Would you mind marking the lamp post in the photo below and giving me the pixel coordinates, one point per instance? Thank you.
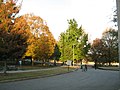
(73, 54)
(118, 16)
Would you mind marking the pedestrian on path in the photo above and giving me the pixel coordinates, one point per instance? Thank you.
(85, 67)
(81, 66)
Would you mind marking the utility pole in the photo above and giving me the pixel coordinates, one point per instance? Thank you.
(63, 49)
(118, 21)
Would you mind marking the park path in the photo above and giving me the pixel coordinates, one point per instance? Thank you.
(77, 80)
(34, 70)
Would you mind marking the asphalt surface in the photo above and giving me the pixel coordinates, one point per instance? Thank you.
(77, 80)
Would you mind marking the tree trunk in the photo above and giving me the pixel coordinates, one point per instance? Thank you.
(54, 62)
(109, 63)
(32, 61)
(95, 66)
(5, 67)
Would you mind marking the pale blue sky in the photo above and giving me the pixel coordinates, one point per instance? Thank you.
(93, 15)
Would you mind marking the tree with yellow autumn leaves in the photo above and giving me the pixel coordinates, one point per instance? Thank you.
(41, 43)
(26, 35)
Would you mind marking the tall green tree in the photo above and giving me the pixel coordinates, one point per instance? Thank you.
(74, 42)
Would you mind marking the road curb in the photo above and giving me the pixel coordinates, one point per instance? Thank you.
(107, 69)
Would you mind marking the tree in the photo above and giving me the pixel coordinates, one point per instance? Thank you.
(42, 42)
(12, 37)
(8, 10)
(20, 34)
(35, 23)
(110, 41)
(56, 55)
(96, 50)
(61, 45)
(105, 50)
(74, 42)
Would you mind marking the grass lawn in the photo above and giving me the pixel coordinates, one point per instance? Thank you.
(35, 74)
(32, 67)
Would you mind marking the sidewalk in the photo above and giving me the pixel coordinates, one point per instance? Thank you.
(35, 70)
(109, 68)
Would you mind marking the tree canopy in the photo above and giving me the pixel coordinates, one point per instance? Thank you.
(12, 36)
(41, 43)
(74, 42)
(21, 36)
(105, 50)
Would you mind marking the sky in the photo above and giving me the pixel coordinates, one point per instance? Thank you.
(93, 15)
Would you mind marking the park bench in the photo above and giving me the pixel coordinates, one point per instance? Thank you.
(11, 67)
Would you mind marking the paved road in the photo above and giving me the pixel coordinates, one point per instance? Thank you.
(78, 80)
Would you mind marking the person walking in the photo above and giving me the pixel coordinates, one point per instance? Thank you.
(85, 67)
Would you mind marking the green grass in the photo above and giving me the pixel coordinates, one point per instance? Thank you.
(35, 74)
(31, 67)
